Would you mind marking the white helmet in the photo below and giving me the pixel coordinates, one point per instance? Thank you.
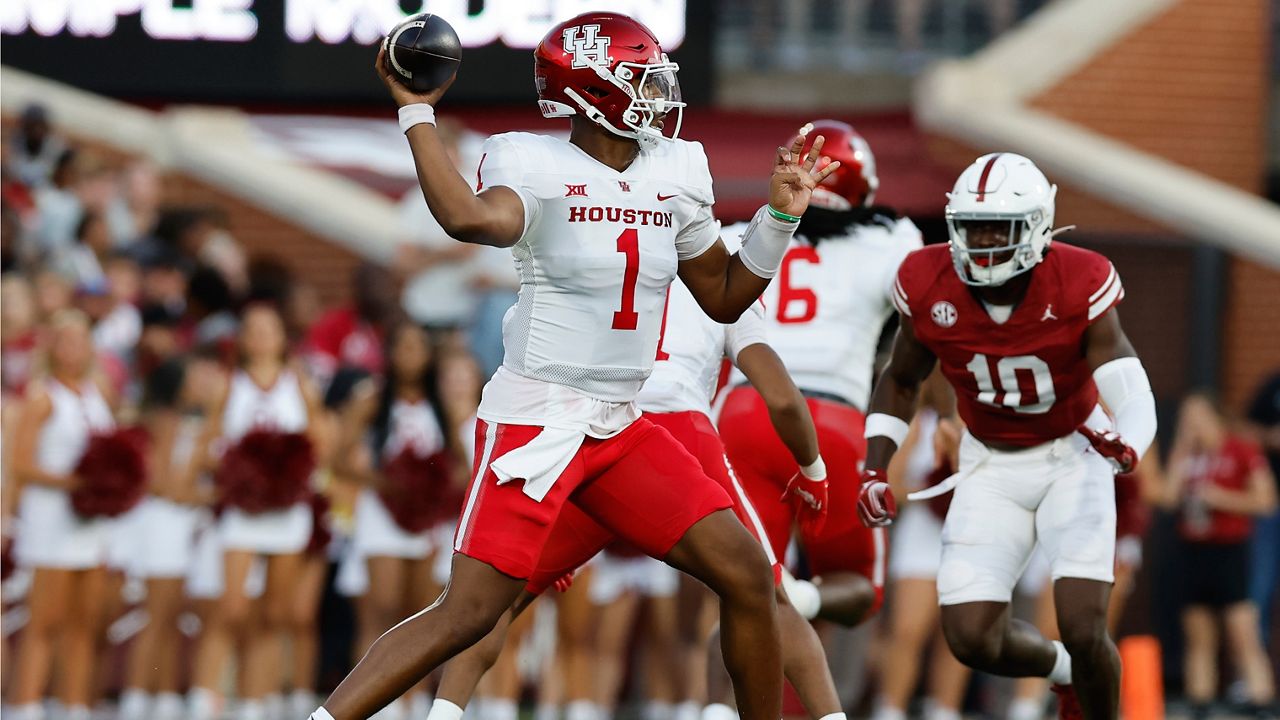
(1001, 187)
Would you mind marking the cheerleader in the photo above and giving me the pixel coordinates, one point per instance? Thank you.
(402, 425)
(258, 417)
(65, 551)
(928, 454)
(173, 401)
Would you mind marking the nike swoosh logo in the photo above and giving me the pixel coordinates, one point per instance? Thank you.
(662, 197)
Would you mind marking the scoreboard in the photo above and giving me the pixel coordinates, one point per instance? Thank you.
(308, 51)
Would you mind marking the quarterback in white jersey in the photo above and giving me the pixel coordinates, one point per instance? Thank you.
(599, 227)
(826, 310)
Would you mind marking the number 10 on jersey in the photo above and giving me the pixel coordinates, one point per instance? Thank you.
(1010, 393)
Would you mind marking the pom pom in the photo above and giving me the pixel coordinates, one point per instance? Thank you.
(112, 473)
(266, 471)
(321, 533)
(414, 488)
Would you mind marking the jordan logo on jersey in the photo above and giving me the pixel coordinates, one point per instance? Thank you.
(575, 190)
(586, 45)
(1048, 313)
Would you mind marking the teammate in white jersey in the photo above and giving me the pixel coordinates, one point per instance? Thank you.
(599, 227)
(825, 314)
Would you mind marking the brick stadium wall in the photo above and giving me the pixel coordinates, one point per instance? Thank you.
(1190, 86)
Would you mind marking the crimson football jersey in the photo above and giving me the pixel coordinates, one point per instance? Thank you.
(1024, 381)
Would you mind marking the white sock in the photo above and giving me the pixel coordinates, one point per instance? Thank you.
(420, 705)
(803, 595)
(719, 711)
(202, 704)
(687, 710)
(1061, 672)
(273, 706)
(501, 709)
(582, 710)
(656, 711)
(934, 711)
(77, 712)
(1026, 709)
(321, 714)
(168, 706)
(134, 703)
(30, 711)
(884, 711)
(298, 702)
(548, 711)
(442, 709)
(833, 716)
(251, 710)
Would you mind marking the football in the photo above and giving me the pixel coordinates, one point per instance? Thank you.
(423, 52)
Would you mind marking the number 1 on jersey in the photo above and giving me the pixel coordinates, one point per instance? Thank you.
(629, 245)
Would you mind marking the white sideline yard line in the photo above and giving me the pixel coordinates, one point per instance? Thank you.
(981, 101)
(216, 146)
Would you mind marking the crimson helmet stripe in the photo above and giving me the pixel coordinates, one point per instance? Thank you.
(986, 173)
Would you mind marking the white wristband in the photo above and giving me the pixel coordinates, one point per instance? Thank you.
(816, 470)
(416, 114)
(765, 242)
(884, 425)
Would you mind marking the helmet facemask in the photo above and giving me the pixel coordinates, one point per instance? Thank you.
(654, 92)
(995, 265)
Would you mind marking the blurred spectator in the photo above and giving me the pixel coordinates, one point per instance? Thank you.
(10, 237)
(53, 293)
(18, 332)
(159, 340)
(210, 319)
(163, 280)
(58, 208)
(495, 283)
(434, 266)
(199, 234)
(352, 335)
(36, 147)
(302, 308)
(82, 261)
(1218, 481)
(1264, 576)
(135, 212)
(119, 330)
(797, 26)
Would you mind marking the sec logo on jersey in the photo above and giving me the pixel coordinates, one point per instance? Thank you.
(943, 313)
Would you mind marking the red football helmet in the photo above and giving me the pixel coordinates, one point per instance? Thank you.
(854, 183)
(610, 69)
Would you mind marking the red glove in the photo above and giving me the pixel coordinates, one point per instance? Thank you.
(564, 582)
(876, 506)
(808, 501)
(1111, 446)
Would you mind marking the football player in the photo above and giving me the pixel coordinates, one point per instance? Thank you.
(1026, 332)
(599, 226)
(826, 311)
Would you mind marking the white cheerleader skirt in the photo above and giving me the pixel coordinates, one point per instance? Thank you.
(376, 534)
(613, 576)
(169, 530)
(916, 544)
(205, 576)
(51, 534)
(280, 532)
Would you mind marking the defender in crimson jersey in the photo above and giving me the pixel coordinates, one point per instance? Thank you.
(599, 226)
(826, 311)
(1026, 332)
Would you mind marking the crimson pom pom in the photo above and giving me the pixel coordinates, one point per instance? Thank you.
(266, 470)
(414, 488)
(112, 473)
(321, 535)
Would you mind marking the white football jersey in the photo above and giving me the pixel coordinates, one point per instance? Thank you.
(599, 250)
(690, 352)
(828, 304)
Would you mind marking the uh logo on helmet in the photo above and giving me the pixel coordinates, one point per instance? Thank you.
(1000, 219)
(610, 69)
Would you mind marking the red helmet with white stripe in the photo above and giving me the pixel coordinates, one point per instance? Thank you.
(610, 69)
(1007, 196)
(854, 183)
